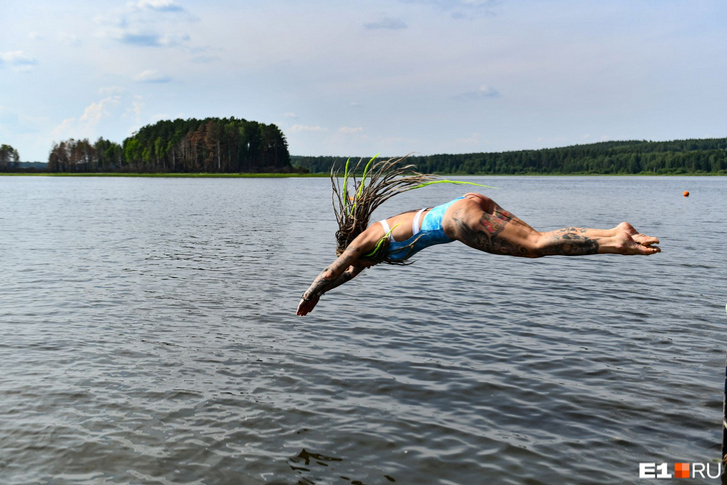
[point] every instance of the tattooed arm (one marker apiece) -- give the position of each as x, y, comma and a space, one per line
324, 282
342, 270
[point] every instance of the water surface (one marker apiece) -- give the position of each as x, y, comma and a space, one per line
150, 336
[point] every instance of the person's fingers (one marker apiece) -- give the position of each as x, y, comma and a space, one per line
306, 306
301, 309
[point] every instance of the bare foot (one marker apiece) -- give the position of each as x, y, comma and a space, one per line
631, 241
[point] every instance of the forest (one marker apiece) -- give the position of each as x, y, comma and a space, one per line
699, 156
9, 158
211, 145
231, 145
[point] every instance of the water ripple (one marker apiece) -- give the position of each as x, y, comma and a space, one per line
150, 338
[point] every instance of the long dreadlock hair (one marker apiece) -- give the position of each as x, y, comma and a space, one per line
354, 199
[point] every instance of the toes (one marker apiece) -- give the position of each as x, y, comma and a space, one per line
651, 249
645, 240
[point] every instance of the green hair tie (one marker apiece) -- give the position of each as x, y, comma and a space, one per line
381, 241
361, 184
457, 182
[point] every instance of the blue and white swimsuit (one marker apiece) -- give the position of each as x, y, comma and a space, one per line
430, 233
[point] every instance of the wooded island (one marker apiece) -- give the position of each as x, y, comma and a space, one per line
212, 145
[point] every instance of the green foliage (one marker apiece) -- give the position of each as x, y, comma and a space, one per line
80, 156
9, 158
617, 157
212, 145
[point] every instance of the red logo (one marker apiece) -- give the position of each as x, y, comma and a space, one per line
681, 470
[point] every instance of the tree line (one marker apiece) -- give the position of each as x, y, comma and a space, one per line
707, 156
9, 158
235, 145
213, 145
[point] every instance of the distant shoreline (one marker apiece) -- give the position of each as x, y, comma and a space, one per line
324, 175
161, 175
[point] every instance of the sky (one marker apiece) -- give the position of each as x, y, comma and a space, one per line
367, 77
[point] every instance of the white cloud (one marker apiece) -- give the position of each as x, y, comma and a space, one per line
16, 57
87, 125
386, 23
7, 116
95, 112
138, 106
143, 38
18, 60
67, 129
135, 111
151, 76
160, 5
541, 70
483, 92
347, 130
474, 139
314, 129
205, 59
459, 7
148, 23
69, 38
108, 90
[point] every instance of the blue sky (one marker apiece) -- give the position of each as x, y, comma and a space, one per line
358, 78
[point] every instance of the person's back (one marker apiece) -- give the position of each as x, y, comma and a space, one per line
401, 226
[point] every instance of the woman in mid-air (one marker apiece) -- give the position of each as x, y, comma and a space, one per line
473, 219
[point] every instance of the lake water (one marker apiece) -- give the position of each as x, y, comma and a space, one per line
149, 336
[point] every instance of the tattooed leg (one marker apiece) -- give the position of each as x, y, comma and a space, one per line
574, 241
497, 233
570, 241
500, 232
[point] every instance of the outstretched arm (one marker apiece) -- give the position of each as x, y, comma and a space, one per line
342, 270
323, 283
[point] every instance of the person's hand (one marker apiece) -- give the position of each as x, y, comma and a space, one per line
306, 305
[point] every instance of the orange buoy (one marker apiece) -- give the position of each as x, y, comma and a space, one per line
686, 193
